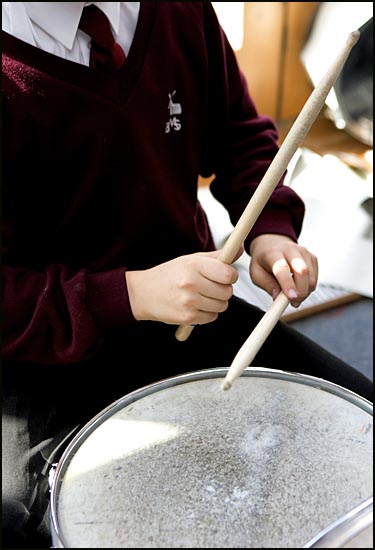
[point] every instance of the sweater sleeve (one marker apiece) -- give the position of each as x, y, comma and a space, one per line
241, 144
59, 316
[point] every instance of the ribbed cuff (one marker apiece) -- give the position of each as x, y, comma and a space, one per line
274, 220
108, 300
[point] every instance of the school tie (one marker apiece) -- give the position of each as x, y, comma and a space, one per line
105, 53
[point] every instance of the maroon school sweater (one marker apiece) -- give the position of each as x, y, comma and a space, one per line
100, 174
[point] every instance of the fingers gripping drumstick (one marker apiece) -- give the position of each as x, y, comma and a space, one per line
276, 169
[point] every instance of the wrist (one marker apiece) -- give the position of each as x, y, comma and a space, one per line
135, 286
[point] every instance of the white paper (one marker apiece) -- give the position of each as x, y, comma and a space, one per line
336, 227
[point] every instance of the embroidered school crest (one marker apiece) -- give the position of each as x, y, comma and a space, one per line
173, 123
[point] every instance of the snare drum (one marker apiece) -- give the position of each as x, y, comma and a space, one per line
183, 464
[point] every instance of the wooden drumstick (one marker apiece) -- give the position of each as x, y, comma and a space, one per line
256, 339
279, 164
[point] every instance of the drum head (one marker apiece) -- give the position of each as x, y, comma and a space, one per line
183, 464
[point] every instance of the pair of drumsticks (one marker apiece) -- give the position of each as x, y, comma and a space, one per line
275, 171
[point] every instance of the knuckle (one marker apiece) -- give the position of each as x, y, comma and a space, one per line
187, 303
185, 283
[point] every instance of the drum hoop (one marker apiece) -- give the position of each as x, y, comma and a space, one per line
344, 526
259, 372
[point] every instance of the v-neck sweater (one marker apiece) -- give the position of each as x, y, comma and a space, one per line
100, 174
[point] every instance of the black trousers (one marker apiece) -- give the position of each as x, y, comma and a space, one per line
45, 405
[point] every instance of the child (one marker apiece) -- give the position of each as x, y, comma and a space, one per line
106, 247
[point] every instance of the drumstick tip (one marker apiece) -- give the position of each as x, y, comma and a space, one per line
226, 385
354, 37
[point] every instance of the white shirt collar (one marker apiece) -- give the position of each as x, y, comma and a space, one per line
61, 19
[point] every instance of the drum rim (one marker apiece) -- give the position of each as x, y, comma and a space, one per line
344, 526
220, 372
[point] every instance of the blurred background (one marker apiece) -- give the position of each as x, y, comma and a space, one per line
284, 49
